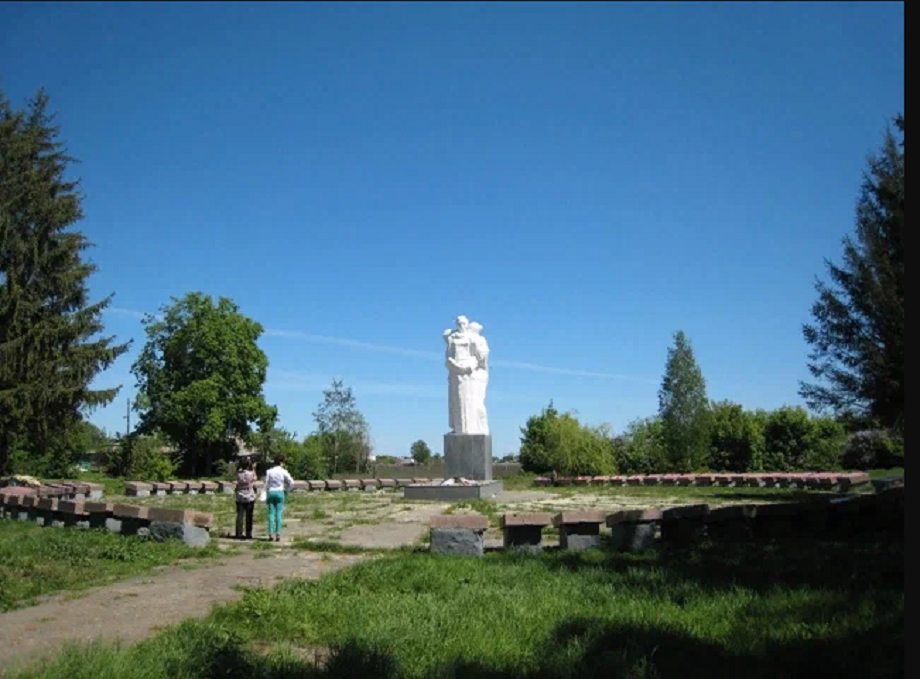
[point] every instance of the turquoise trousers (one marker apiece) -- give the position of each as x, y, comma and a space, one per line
275, 502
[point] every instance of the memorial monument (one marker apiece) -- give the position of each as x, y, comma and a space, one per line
468, 444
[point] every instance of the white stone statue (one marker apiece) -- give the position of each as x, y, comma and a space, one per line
467, 378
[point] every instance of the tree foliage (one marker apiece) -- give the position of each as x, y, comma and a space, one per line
142, 457
554, 442
736, 439
684, 408
304, 459
873, 449
420, 452
200, 377
535, 441
794, 441
640, 450
344, 432
51, 347
857, 338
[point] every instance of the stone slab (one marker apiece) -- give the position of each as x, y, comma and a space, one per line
466, 521
137, 489
685, 512
469, 456
588, 516
200, 519
633, 536
578, 541
457, 541
518, 519
129, 512
71, 507
317, 484
187, 532
452, 493
98, 507
527, 537
634, 516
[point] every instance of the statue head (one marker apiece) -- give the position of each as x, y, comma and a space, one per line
463, 323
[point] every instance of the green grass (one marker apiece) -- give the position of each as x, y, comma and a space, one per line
882, 473
812, 610
36, 561
485, 507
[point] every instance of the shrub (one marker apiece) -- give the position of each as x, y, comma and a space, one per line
736, 439
142, 457
560, 443
641, 449
787, 436
305, 460
534, 453
793, 441
825, 447
873, 449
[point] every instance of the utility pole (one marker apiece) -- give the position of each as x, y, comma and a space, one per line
127, 417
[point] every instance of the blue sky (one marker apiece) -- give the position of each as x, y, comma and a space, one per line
582, 179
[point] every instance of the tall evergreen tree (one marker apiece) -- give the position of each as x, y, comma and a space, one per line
857, 338
50, 342
684, 408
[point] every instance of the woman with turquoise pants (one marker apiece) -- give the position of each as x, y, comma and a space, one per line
277, 483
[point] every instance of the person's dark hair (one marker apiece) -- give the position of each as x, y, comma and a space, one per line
279, 459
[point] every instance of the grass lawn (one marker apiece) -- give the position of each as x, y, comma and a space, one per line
810, 610
35, 561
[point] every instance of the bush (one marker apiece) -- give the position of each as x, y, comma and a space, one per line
825, 448
794, 442
873, 449
736, 439
145, 458
305, 460
534, 452
560, 443
786, 439
641, 449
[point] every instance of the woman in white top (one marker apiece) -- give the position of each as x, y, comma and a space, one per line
277, 482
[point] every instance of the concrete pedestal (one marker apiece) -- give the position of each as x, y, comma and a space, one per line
452, 493
469, 456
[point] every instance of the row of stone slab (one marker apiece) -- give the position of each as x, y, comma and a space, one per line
814, 481
152, 488
193, 528
62, 490
639, 529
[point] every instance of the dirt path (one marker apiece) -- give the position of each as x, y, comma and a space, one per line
135, 609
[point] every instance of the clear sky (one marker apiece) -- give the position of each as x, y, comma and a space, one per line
582, 179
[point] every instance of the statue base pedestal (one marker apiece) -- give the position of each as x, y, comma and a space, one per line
469, 456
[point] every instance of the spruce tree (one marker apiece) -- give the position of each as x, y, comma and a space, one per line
51, 345
684, 408
857, 338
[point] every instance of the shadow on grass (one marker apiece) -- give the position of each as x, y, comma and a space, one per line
769, 495
586, 648
760, 567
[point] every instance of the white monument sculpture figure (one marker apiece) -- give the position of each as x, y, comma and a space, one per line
480, 377
467, 378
